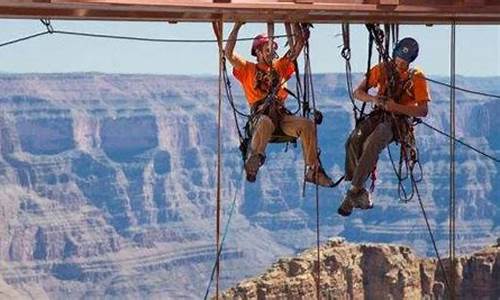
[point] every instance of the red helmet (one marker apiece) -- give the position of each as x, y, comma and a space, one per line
260, 40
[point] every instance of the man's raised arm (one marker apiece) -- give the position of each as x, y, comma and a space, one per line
235, 60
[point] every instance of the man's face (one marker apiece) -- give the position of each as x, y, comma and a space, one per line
265, 54
401, 64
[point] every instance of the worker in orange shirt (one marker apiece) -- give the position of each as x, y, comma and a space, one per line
267, 78
395, 103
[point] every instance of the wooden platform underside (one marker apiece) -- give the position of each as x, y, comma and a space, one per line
317, 11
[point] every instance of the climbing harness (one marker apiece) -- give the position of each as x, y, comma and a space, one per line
272, 107
409, 156
395, 87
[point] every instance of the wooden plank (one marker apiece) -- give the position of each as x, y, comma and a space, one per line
290, 35
474, 2
304, 1
389, 2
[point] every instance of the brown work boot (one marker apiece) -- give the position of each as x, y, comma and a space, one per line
318, 176
252, 165
355, 199
363, 199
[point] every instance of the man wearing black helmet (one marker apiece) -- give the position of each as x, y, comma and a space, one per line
407, 96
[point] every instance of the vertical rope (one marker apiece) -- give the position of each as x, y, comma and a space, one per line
313, 99
433, 240
218, 28
452, 233
290, 35
270, 34
318, 250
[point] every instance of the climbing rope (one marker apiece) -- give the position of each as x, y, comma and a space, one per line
224, 235
230, 99
368, 68
402, 191
346, 54
433, 240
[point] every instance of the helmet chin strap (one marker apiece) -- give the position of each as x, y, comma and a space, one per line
265, 59
271, 57
268, 59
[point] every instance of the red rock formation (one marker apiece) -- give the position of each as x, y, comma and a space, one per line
375, 271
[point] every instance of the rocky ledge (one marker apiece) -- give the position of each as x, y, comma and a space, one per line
373, 271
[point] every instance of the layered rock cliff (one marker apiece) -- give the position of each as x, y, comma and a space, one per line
373, 271
107, 185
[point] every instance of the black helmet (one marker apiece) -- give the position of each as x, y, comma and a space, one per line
406, 49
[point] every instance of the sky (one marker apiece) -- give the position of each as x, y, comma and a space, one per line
477, 48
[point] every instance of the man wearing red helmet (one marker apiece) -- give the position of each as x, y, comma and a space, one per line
267, 78
408, 96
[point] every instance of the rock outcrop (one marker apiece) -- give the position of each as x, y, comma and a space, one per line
372, 271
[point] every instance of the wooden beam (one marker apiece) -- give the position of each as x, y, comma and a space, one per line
316, 11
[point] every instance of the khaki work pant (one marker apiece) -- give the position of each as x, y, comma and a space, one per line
363, 148
294, 126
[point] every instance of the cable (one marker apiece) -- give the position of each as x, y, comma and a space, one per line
24, 38
452, 86
143, 39
50, 30
460, 142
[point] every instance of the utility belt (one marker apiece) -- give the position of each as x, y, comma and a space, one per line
275, 110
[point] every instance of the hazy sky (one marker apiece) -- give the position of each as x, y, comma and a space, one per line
477, 48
